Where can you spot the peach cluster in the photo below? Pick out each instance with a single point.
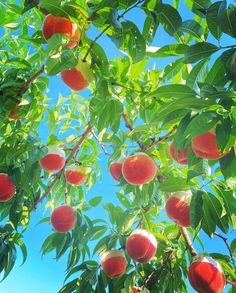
(136, 169)
(141, 246)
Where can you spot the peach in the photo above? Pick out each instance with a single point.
(115, 168)
(206, 275)
(7, 188)
(114, 263)
(60, 25)
(204, 146)
(54, 160)
(12, 115)
(181, 158)
(75, 174)
(63, 218)
(139, 169)
(79, 77)
(177, 207)
(136, 290)
(141, 246)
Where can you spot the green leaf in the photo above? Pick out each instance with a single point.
(95, 201)
(59, 62)
(212, 18)
(227, 20)
(233, 246)
(174, 91)
(201, 123)
(136, 45)
(23, 248)
(193, 28)
(196, 209)
(197, 73)
(173, 184)
(228, 164)
(170, 19)
(169, 50)
(199, 51)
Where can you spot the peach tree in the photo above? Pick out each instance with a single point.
(161, 113)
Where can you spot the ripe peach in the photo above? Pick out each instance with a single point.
(139, 169)
(181, 158)
(7, 188)
(60, 25)
(177, 207)
(115, 168)
(79, 77)
(63, 218)
(75, 174)
(206, 275)
(54, 160)
(204, 146)
(141, 246)
(114, 263)
(12, 115)
(136, 290)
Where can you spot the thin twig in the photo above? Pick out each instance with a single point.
(231, 283)
(227, 245)
(160, 139)
(100, 143)
(107, 27)
(29, 82)
(130, 127)
(188, 241)
(58, 175)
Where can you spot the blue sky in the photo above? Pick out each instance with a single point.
(46, 275)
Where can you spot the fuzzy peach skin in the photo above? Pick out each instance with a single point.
(79, 77)
(139, 169)
(141, 246)
(115, 168)
(206, 275)
(181, 158)
(75, 175)
(114, 263)
(204, 146)
(54, 160)
(63, 218)
(7, 188)
(177, 207)
(60, 25)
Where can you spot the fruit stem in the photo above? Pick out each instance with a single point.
(58, 175)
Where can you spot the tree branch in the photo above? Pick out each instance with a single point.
(58, 175)
(160, 139)
(130, 127)
(231, 283)
(100, 143)
(227, 245)
(188, 241)
(29, 82)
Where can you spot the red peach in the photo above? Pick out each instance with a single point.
(115, 168)
(139, 169)
(79, 77)
(114, 263)
(177, 207)
(12, 115)
(136, 290)
(75, 174)
(204, 146)
(7, 188)
(54, 160)
(60, 25)
(63, 218)
(141, 246)
(181, 158)
(206, 275)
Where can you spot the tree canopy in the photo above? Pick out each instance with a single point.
(133, 105)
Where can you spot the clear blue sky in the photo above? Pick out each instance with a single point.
(45, 275)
